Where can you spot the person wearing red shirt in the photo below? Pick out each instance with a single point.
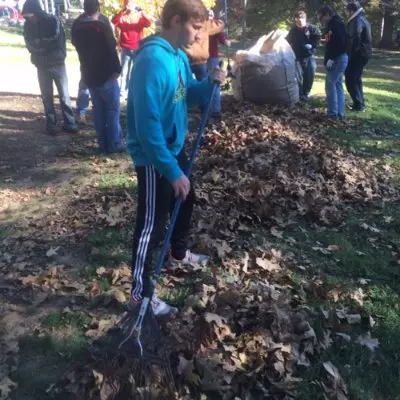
(213, 61)
(130, 24)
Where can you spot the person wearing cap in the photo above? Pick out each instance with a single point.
(45, 40)
(92, 36)
(130, 24)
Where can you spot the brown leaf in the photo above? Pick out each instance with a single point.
(267, 265)
(214, 318)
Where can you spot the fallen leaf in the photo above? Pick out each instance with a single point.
(101, 271)
(275, 232)
(119, 296)
(267, 265)
(367, 341)
(353, 318)
(52, 251)
(214, 318)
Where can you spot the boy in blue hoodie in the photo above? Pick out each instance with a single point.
(162, 88)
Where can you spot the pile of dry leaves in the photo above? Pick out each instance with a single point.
(260, 165)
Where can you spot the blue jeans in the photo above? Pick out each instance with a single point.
(82, 101)
(354, 85)
(126, 63)
(106, 111)
(199, 71)
(306, 68)
(216, 101)
(58, 75)
(334, 87)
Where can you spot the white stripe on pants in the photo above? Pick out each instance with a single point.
(147, 230)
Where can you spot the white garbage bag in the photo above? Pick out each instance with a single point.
(266, 73)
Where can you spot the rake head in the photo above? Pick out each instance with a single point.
(144, 348)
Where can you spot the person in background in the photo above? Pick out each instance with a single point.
(130, 24)
(92, 36)
(359, 49)
(304, 39)
(157, 121)
(335, 61)
(45, 40)
(213, 62)
(198, 52)
(82, 103)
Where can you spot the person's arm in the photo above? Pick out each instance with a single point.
(339, 37)
(145, 20)
(315, 37)
(116, 19)
(198, 92)
(32, 44)
(289, 37)
(149, 79)
(73, 34)
(215, 26)
(221, 37)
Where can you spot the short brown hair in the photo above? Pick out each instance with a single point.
(185, 9)
(300, 14)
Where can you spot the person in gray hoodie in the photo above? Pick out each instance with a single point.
(45, 40)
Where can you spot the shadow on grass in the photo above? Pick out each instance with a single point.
(43, 361)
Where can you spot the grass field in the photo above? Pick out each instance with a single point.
(368, 241)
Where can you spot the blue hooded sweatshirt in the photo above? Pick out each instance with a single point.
(160, 89)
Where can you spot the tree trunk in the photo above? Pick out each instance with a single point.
(387, 32)
(244, 21)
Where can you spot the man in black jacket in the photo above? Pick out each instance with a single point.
(94, 41)
(359, 49)
(45, 39)
(304, 39)
(336, 60)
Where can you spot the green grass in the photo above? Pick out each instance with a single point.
(61, 319)
(109, 247)
(118, 180)
(12, 40)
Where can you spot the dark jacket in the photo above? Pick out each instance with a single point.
(359, 38)
(96, 46)
(45, 39)
(335, 39)
(299, 37)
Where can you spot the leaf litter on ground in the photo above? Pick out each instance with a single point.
(241, 335)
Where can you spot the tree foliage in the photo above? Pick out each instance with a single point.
(152, 7)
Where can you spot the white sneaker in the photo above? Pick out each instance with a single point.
(190, 259)
(161, 308)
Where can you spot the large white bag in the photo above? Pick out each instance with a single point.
(266, 73)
